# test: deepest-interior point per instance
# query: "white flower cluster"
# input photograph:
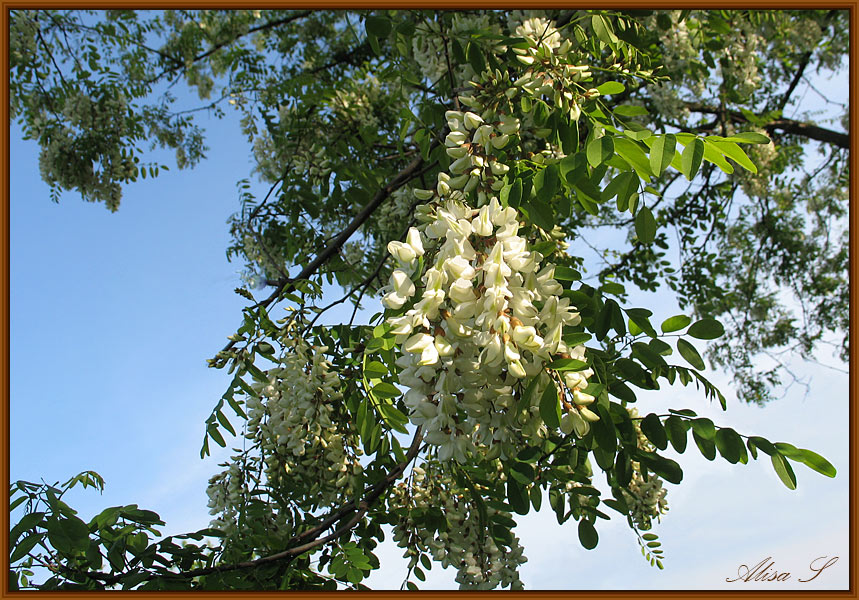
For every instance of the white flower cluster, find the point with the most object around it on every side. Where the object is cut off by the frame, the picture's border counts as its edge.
(476, 330)
(300, 437)
(392, 215)
(227, 493)
(539, 31)
(646, 499)
(465, 542)
(756, 185)
(742, 52)
(678, 53)
(552, 74)
(428, 44)
(355, 103)
(304, 445)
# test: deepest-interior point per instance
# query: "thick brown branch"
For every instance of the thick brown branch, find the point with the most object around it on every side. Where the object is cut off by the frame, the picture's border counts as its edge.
(412, 170)
(219, 45)
(362, 507)
(789, 126)
(803, 64)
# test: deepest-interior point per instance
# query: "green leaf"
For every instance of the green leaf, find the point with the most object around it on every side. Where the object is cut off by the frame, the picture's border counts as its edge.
(675, 323)
(568, 364)
(764, 445)
(517, 497)
(588, 534)
(604, 432)
(600, 150)
(662, 153)
(68, 535)
(573, 167)
(394, 417)
(523, 472)
(641, 317)
(632, 153)
(637, 132)
(715, 156)
(691, 355)
(706, 446)
(611, 87)
(386, 390)
(529, 454)
(225, 423)
(704, 427)
(546, 184)
(652, 427)
(563, 273)
(676, 431)
(525, 399)
(602, 29)
(26, 523)
(550, 408)
(213, 432)
(691, 158)
(735, 153)
(620, 390)
(17, 502)
(375, 370)
(379, 27)
(514, 199)
(730, 444)
(27, 544)
(647, 356)
(686, 412)
(645, 225)
(706, 329)
(749, 137)
(629, 110)
(814, 461)
(623, 186)
(475, 57)
(784, 470)
(540, 214)
(666, 468)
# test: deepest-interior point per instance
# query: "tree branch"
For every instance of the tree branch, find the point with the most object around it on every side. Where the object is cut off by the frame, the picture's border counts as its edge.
(789, 126)
(411, 171)
(803, 63)
(219, 45)
(363, 506)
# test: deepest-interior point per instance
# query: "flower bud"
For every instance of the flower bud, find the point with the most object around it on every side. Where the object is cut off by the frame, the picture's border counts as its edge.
(418, 342)
(498, 169)
(588, 415)
(402, 252)
(582, 399)
(457, 151)
(472, 121)
(456, 138)
(500, 141)
(413, 239)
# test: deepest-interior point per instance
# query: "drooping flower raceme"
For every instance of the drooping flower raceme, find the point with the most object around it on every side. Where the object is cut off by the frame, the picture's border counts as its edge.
(461, 539)
(646, 498)
(483, 312)
(304, 445)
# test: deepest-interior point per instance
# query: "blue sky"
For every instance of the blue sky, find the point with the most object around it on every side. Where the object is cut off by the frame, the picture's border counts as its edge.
(114, 315)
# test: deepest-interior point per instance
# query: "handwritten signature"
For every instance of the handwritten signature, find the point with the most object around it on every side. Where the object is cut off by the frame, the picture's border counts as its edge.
(766, 571)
